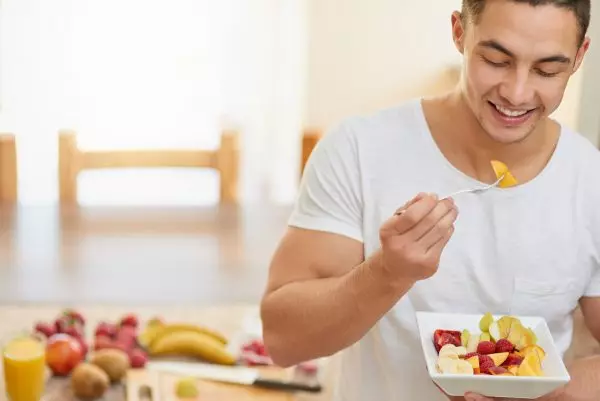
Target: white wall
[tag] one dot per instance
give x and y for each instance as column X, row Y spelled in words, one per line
column 151, row 73
column 365, row 55
column 589, row 94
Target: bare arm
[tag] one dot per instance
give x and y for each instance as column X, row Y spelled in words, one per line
column 585, row 372
column 322, row 296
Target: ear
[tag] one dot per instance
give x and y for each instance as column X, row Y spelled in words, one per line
column 581, row 53
column 458, row 31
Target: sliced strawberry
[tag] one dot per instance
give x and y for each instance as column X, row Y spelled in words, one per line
column 443, row 337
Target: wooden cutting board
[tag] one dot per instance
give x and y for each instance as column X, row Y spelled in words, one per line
column 163, row 385
column 143, row 385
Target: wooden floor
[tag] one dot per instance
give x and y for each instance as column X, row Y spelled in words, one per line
column 137, row 255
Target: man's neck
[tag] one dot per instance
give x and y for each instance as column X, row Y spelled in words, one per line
column 466, row 145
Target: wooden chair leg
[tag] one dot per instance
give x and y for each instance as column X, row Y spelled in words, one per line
column 310, row 138
column 8, row 169
column 68, row 166
column 228, row 163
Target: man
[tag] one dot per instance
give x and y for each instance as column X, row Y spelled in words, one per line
column 350, row 273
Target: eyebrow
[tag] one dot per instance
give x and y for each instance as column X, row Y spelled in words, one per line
column 492, row 44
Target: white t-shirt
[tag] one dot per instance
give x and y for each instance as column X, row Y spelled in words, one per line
column 533, row 249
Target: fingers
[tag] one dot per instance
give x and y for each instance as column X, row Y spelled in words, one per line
column 477, row 397
column 414, row 200
column 436, row 248
column 428, row 222
column 439, row 230
column 413, row 214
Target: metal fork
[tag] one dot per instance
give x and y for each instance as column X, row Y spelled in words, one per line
column 463, row 191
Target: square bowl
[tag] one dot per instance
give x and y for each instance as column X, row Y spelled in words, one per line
column 522, row 387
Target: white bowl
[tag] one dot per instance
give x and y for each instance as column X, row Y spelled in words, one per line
column 556, row 374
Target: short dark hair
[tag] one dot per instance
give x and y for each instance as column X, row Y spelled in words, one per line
column 581, row 8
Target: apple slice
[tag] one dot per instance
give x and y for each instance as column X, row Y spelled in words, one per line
column 494, row 331
column 473, row 343
column 484, row 323
column 528, row 338
column 534, row 348
column 464, row 337
column 504, row 324
column 499, row 358
column 516, row 332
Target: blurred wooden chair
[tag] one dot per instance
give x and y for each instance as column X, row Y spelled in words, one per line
column 73, row 160
column 310, row 137
column 8, row 168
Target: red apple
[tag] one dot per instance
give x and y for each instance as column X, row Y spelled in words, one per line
column 63, row 353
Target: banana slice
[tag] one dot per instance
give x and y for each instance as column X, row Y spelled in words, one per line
column 452, row 351
column 454, row 366
column 444, row 364
column 461, row 351
column 448, row 351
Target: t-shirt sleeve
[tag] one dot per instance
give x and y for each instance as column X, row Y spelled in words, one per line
column 330, row 197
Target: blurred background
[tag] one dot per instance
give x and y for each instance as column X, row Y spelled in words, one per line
column 204, row 111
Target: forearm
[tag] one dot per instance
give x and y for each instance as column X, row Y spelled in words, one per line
column 584, row 384
column 316, row 318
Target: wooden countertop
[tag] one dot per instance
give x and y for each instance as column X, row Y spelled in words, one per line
column 227, row 319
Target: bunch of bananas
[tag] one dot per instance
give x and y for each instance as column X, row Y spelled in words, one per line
column 188, row 340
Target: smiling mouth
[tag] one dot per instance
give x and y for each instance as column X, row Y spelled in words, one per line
column 511, row 113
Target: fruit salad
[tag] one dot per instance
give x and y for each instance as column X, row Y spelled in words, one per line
column 503, row 347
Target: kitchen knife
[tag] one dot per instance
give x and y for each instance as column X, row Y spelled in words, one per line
column 229, row 374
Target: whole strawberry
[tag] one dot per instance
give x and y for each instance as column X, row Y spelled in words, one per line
column 137, row 358
column 503, row 345
column 486, row 348
column 46, row 329
column 106, row 329
column 74, row 315
column 129, row 320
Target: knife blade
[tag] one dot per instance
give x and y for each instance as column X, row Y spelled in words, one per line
column 229, row 374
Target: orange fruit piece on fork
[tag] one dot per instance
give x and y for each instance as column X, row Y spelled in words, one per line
column 500, row 169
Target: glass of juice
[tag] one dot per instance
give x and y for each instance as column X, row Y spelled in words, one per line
column 24, row 360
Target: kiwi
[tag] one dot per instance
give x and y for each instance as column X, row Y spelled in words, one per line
column 88, row 381
column 113, row 361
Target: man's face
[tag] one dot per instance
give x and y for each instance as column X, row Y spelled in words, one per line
column 518, row 60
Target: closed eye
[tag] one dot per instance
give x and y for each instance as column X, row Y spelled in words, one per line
column 495, row 64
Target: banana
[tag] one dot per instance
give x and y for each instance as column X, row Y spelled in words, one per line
column 149, row 333
column 452, row 351
column 157, row 332
column 194, row 344
column 454, row 366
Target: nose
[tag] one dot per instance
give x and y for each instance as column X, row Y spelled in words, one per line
column 516, row 88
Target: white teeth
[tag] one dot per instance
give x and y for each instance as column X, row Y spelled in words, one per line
column 511, row 113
